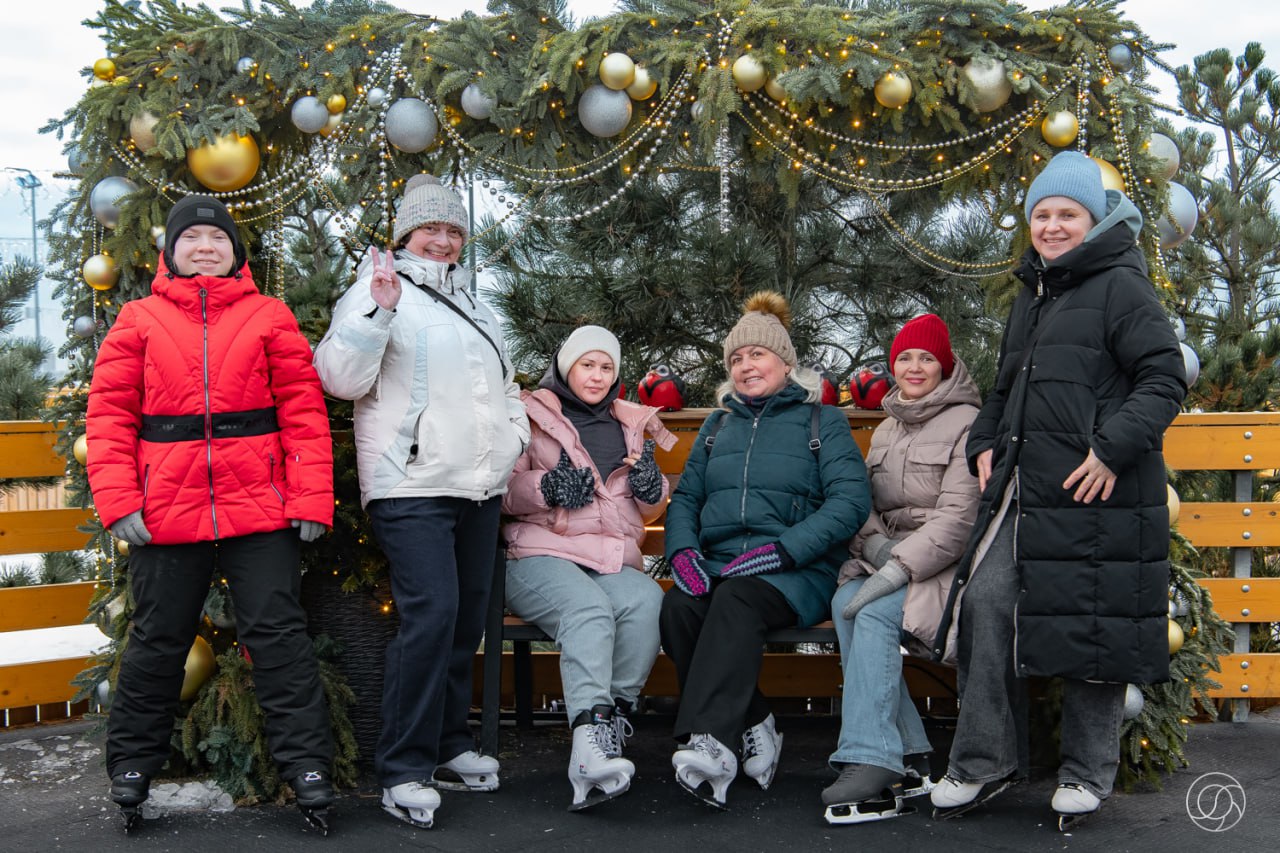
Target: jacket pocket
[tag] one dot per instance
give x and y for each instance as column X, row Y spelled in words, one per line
column 146, row 484
column 271, row 477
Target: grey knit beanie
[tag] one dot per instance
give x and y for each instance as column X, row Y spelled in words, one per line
column 1072, row 175
column 427, row 200
column 766, row 316
column 583, row 340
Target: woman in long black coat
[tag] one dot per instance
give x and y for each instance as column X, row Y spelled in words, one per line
column 1067, row 570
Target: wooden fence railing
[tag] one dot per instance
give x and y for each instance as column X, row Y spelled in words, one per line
column 1241, row 444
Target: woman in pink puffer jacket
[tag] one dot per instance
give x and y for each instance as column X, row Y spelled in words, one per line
column 580, row 497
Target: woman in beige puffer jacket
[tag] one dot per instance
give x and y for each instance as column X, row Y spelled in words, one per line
column 895, row 584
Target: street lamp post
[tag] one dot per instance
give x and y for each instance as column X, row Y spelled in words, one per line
column 30, row 182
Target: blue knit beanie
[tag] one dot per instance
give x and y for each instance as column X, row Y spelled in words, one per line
column 1072, row 175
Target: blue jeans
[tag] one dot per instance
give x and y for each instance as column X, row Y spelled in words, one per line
column 878, row 721
column 990, row 739
column 441, row 552
column 606, row 626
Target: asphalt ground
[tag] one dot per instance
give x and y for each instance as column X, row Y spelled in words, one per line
column 53, row 796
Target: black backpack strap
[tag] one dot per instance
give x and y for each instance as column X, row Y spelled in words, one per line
column 710, row 441
column 815, row 429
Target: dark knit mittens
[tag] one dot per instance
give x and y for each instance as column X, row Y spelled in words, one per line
column 764, row 560
column 645, row 476
column 687, row 572
column 566, row 486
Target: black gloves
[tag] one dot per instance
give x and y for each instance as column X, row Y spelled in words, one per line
column 566, row 486
column 645, row 476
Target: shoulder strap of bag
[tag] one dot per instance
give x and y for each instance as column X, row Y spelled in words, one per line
column 815, row 429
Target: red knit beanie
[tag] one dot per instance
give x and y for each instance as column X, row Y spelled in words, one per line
column 929, row 333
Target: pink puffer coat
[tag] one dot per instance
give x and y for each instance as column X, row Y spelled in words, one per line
column 923, row 495
column 606, row 534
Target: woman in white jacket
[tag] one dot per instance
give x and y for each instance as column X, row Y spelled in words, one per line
column 438, row 428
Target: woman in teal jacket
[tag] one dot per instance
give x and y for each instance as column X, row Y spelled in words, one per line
column 773, row 489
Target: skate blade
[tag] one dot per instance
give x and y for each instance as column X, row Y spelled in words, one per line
column 453, row 781
column 707, row 798
column 845, row 813
column 1067, row 822
column 920, row 788
column 132, row 819
column 596, row 796
column 404, row 815
column 318, row 818
column 956, row 811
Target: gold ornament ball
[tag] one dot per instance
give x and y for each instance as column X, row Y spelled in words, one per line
column 748, row 73
column 334, row 122
column 122, row 547
column 642, row 85
column 80, row 449
column 1060, row 128
column 336, row 104
column 101, row 272
column 142, row 130
column 1175, row 505
column 617, row 71
column 774, row 89
column 1111, row 179
column 104, row 69
column 198, row 668
column 225, row 165
column 893, row 90
column 120, row 82
column 1176, row 637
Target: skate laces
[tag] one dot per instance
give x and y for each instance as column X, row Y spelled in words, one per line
column 705, row 744
column 605, row 737
column 754, row 740
column 622, row 729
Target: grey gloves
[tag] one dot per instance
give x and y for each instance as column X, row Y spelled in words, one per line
column 645, row 476
column 308, row 531
column 889, row 578
column 876, row 549
column 566, row 486
column 131, row 529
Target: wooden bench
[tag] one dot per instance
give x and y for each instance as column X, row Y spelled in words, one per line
column 502, row 626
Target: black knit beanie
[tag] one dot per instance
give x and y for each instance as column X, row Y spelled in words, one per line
column 201, row 210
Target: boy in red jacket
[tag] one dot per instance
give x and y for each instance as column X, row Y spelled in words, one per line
column 210, row 447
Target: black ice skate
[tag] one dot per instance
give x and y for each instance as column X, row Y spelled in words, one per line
column 952, row 798
column 918, row 780
column 1073, row 803
column 314, row 794
column 863, row 793
column 130, row 790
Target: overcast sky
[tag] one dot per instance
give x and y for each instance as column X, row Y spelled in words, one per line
column 46, row 48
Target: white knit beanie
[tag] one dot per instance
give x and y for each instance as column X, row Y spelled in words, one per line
column 427, row 200
column 583, row 340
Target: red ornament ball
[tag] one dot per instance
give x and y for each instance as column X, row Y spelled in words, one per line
column 662, row 388
column 869, row 385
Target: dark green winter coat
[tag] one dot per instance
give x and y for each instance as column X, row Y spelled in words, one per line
column 762, row 483
column 1105, row 374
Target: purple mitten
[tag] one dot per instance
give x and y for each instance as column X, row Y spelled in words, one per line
column 764, row 560
column 687, row 572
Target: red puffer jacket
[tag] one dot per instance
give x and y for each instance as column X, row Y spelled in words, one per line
column 206, row 414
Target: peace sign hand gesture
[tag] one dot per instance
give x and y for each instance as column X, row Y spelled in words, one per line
column 384, row 287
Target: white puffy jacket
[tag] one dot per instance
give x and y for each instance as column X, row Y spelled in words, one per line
column 437, row 412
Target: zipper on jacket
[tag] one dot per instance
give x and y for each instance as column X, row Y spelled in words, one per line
column 746, row 466
column 1039, row 285
column 208, row 413
column 1016, row 507
column 271, row 475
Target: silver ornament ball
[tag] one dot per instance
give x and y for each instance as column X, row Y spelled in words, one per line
column 245, row 64
column 604, row 112
column 697, row 110
column 1179, row 328
column 103, row 693
column 1163, row 149
column 476, row 103
column 411, row 125
column 377, row 96
column 1133, row 701
column 991, row 86
column 309, row 114
column 1183, row 211
column 84, row 326
column 104, row 198
column 1120, row 57
column 75, row 159
column 1191, row 362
